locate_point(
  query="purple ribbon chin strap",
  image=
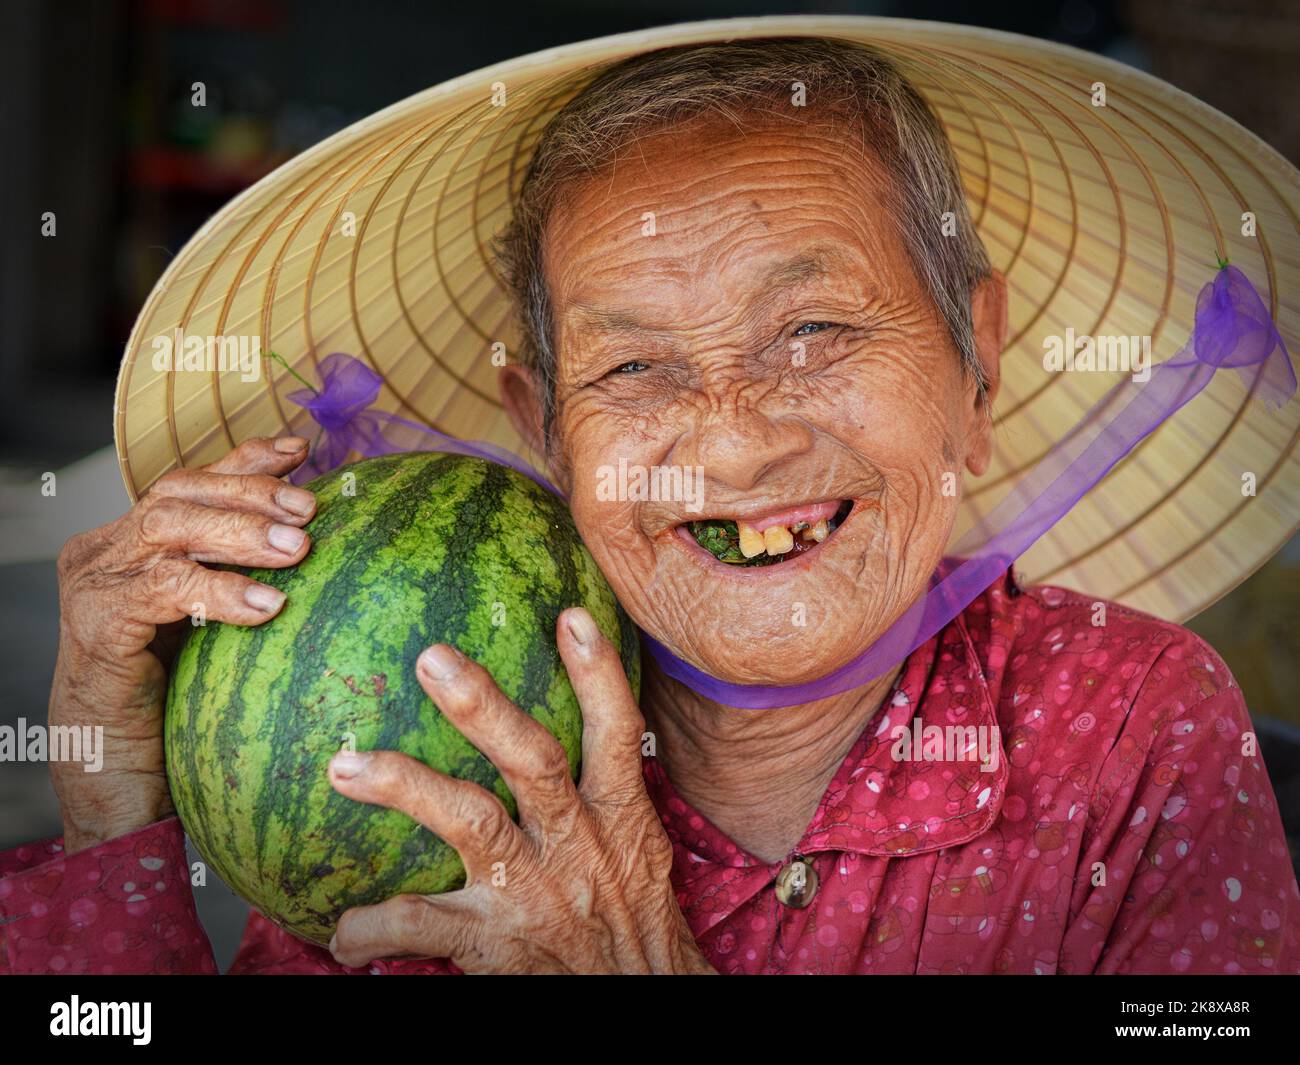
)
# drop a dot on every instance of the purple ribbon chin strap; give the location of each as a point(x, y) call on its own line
point(1232, 329)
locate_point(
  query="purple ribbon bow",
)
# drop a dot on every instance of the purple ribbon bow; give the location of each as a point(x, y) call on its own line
point(1232, 329)
point(342, 410)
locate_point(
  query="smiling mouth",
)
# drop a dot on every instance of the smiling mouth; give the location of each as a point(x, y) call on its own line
point(770, 540)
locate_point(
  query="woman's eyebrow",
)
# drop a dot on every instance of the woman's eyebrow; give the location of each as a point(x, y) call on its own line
point(599, 320)
point(812, 264)
point(798, 270)
point(807, 266)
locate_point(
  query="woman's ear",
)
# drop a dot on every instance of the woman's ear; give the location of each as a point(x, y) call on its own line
point(988, 305)
point(517, 384)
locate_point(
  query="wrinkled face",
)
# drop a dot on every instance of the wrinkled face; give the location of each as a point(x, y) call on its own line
point(739, 328)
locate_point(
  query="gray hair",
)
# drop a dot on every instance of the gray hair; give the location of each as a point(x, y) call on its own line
point(657, 89)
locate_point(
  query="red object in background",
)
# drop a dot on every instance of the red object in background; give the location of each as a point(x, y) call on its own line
point(228, 14)
point(163, 169)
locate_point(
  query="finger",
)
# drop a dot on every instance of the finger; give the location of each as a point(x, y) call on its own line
point(428, 926)
point(228, 537)
point(468, 817)
point(612, 725)
point(177, 588)
point(274, 455)
point(530, 760)
point(257, 493)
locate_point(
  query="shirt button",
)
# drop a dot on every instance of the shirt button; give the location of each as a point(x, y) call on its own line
point(796, 883)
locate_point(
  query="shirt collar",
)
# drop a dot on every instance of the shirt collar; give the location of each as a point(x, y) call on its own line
point(877, 803)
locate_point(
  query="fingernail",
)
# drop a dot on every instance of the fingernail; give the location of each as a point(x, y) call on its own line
point(262, 598)
point(442, 662)
point(296, 500)
point(286, 538)
point(582, 627)
point(348, 764)
point(287, 445)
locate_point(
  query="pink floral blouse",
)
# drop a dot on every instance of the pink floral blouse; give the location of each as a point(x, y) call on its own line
point(1124, 822)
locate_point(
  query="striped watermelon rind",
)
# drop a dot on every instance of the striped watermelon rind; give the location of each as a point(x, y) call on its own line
point(431, 548)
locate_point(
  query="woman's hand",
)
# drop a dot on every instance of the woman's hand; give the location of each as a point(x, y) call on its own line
point(122, 590)
point(581, 884)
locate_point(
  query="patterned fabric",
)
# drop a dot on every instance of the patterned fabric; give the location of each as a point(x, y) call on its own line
point(1125, 824)
point(123, 907)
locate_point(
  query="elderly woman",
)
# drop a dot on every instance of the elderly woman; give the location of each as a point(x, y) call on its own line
point(806, 330)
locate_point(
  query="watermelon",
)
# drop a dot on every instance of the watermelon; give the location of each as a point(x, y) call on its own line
point(407, 550)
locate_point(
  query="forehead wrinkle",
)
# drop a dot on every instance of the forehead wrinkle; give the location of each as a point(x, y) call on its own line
point(813, 264)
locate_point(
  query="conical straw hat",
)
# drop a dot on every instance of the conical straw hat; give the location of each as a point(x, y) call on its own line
point(1105, 219)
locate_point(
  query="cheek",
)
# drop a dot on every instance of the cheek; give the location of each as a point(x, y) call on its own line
point(900, 414)
point(609, 529)
point(592, 432)
point(593, 442)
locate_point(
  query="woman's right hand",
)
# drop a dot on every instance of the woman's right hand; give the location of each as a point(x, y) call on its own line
point(126, 592)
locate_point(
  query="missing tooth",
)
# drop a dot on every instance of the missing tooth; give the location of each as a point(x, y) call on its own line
point(722, 538)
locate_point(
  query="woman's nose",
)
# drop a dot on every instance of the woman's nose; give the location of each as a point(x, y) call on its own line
point(737, 447)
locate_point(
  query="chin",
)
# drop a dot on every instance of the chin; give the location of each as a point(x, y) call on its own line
point(780, 623)
point(795, 658)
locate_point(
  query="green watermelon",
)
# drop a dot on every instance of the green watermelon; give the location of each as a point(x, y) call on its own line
point(407, 550)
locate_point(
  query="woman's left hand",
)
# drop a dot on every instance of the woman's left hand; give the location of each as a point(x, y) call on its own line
point(580, 884)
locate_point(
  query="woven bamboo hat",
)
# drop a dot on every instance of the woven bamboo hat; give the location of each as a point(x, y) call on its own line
point(1105, 219)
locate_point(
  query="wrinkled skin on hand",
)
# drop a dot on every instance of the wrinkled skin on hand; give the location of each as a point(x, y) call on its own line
point(127, 589)
point(580, 884)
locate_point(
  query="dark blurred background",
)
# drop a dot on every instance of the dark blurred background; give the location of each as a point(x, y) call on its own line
point(96, 126)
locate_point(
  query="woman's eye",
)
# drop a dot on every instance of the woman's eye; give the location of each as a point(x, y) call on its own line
point(808, 328)
point(631, 367)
